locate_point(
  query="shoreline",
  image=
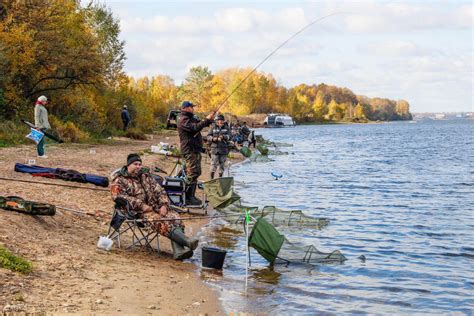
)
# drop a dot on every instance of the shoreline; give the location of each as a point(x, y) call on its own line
point(69, 273)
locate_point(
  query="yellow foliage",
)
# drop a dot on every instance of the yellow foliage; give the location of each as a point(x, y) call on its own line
point(68, 131)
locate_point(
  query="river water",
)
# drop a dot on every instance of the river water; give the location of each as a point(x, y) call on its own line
point(401, 194)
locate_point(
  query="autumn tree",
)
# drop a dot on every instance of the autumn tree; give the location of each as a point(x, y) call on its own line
point(107, 30)
point(47, 47)
point(320, 108)
point(197, 86)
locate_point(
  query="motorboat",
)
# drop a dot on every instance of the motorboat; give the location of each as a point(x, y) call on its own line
point(278, 120)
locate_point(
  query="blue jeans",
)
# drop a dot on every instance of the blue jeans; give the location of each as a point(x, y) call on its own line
point(40, 147)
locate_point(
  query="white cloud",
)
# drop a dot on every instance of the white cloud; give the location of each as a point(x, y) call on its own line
point(390, 48)
point(393, 17)
point(238, 19)
point(395, 49)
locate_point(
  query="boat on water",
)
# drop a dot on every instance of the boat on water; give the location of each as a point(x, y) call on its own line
point(278, 120)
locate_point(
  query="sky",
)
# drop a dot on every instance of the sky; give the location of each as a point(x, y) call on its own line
point(419, 51)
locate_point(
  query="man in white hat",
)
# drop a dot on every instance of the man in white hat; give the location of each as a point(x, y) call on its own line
point(41, 122)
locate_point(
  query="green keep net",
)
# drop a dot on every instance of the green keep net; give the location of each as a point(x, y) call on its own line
point(275, 248)
point(219, 192)
point(275, 216)
point(265, 238)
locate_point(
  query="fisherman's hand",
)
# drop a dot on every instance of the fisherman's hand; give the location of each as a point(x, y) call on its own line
point(215, 138)
point(163, 210)
point(220, 138)
point(211, 115)
point(147, 208)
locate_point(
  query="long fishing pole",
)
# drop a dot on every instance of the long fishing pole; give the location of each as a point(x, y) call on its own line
point(272, 53)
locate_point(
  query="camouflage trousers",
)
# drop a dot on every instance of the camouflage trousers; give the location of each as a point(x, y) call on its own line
point(193, 167)
point(218, 162)
point(166, 227)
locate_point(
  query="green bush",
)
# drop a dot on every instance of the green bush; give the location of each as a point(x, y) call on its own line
point(13, 133)
point(135, 133)
point(14, 263)
point(68, 131)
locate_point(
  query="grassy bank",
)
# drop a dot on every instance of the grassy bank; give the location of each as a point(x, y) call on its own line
point(15, 263)
point(14, 133)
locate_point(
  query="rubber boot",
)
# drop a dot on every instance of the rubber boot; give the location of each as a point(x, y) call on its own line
point(212, 175)
point(198, 200)
point(179, 252)
point(177, 235)
point(190, 198)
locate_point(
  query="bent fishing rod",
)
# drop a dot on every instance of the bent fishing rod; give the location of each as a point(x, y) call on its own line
point(272, 53)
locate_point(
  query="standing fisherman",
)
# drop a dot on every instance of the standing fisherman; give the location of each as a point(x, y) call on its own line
point(219, 136)
point(41, 122)
point(125, 117)
point(189, 130)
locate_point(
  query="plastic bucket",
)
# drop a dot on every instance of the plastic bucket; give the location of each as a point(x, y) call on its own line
point(213, 257)
point(105, 243)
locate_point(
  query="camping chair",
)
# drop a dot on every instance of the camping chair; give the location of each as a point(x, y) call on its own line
point(124, 221)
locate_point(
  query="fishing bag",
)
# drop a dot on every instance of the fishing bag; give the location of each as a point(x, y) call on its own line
point(18, 204)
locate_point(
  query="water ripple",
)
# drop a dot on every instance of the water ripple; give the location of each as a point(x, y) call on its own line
point(399, 194)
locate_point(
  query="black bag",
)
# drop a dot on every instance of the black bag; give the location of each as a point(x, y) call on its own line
point(18, 204)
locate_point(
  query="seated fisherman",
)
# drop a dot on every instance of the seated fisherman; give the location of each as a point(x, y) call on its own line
point(150, 201)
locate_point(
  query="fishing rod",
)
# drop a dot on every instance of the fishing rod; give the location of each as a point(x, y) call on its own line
point(79, 212)
point(188, 218)
point(270, 55)
point(273, 52)
point(47, 183)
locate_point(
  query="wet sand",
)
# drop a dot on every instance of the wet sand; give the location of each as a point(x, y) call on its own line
point(70, 274)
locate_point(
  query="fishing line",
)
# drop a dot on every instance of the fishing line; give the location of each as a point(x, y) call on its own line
point(273, 52)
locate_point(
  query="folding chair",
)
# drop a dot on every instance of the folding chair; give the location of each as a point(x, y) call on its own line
point(124, 221)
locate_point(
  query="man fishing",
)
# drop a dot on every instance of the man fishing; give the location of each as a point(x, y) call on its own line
point(149, 200)
point(218, 137)
point(189, 130)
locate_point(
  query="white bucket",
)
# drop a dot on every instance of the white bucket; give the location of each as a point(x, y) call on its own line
point(105, 243)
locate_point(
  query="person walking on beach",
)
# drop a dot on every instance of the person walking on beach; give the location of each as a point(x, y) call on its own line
point(218, 137)
point(149, 200)
point(41, 122)
point(189, 131)
point(125, 117)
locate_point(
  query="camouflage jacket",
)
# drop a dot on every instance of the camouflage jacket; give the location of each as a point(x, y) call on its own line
point(138, 190)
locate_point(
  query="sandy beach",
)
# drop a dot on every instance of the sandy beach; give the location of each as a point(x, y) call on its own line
point(70, 274)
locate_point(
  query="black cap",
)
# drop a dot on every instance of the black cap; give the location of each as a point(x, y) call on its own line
point(131, 158)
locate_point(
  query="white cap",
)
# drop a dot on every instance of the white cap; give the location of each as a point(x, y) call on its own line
point(42, 99)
